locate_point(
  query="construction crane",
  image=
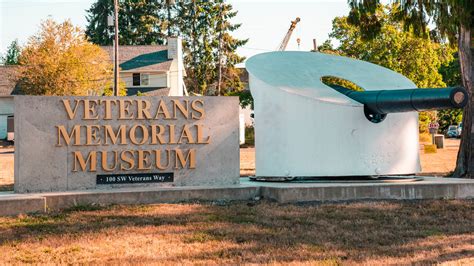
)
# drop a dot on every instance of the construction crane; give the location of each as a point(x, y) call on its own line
point(285, 41)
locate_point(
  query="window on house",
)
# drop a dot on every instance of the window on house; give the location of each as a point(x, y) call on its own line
point(140, 79)
point(145, 80)
point(136, 79)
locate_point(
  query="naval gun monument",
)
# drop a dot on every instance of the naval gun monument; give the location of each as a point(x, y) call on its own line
point(305, 128)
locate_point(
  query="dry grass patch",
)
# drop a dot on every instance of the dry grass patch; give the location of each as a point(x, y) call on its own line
point(385, 232)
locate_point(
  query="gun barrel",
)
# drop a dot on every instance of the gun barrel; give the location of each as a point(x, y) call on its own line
point(408, 100)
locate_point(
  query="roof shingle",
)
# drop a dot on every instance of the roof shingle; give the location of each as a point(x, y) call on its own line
point(8, 79)
point(141, 58)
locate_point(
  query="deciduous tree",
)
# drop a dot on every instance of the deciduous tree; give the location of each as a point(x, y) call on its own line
point(454, 19)
point(59, 60)
point(393, 48)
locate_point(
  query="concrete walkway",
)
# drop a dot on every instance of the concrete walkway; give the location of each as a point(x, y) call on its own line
point(321, 191)
point(281, 192)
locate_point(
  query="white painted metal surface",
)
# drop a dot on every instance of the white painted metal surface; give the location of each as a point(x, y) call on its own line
point(305, 128)
point(241, 128)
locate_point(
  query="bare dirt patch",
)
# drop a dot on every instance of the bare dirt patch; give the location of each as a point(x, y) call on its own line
point(247, 161)
point(442, 162)
point(6, 169)
point(424, 232)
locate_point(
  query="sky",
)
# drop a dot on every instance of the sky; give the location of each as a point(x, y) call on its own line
point(264, 22)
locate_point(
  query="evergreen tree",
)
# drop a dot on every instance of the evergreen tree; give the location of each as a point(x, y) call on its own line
point(13, 54)
point(192, 23)
point(97, 29)
point(208, 46)
point(227, 47)
point(145, 22)
point(454, 19)
point(140, 22)
point(169, 23)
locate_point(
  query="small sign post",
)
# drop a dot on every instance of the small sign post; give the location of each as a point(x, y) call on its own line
point(433, 127)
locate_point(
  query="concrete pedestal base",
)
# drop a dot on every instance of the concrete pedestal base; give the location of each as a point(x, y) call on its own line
point(295, 192)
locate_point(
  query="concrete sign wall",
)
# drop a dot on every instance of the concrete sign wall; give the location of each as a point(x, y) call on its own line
point(72, 143)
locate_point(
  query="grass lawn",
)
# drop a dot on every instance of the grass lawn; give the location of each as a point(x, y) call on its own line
point(421, 232)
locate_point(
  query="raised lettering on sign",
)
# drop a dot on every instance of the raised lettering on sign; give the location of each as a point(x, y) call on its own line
point(164, 127)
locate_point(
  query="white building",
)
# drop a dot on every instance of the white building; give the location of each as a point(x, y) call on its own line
point(7, 86)
point(155, 70)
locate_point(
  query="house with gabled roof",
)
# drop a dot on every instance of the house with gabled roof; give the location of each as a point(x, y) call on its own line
point(155, 70)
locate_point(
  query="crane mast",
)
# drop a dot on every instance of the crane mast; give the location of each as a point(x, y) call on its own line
point(285, 41)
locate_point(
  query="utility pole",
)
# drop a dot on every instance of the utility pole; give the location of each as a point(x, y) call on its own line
point(116, 50)
point(219, 78)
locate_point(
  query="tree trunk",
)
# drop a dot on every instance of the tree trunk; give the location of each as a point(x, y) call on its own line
point(168, 7)
point(465, 164)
